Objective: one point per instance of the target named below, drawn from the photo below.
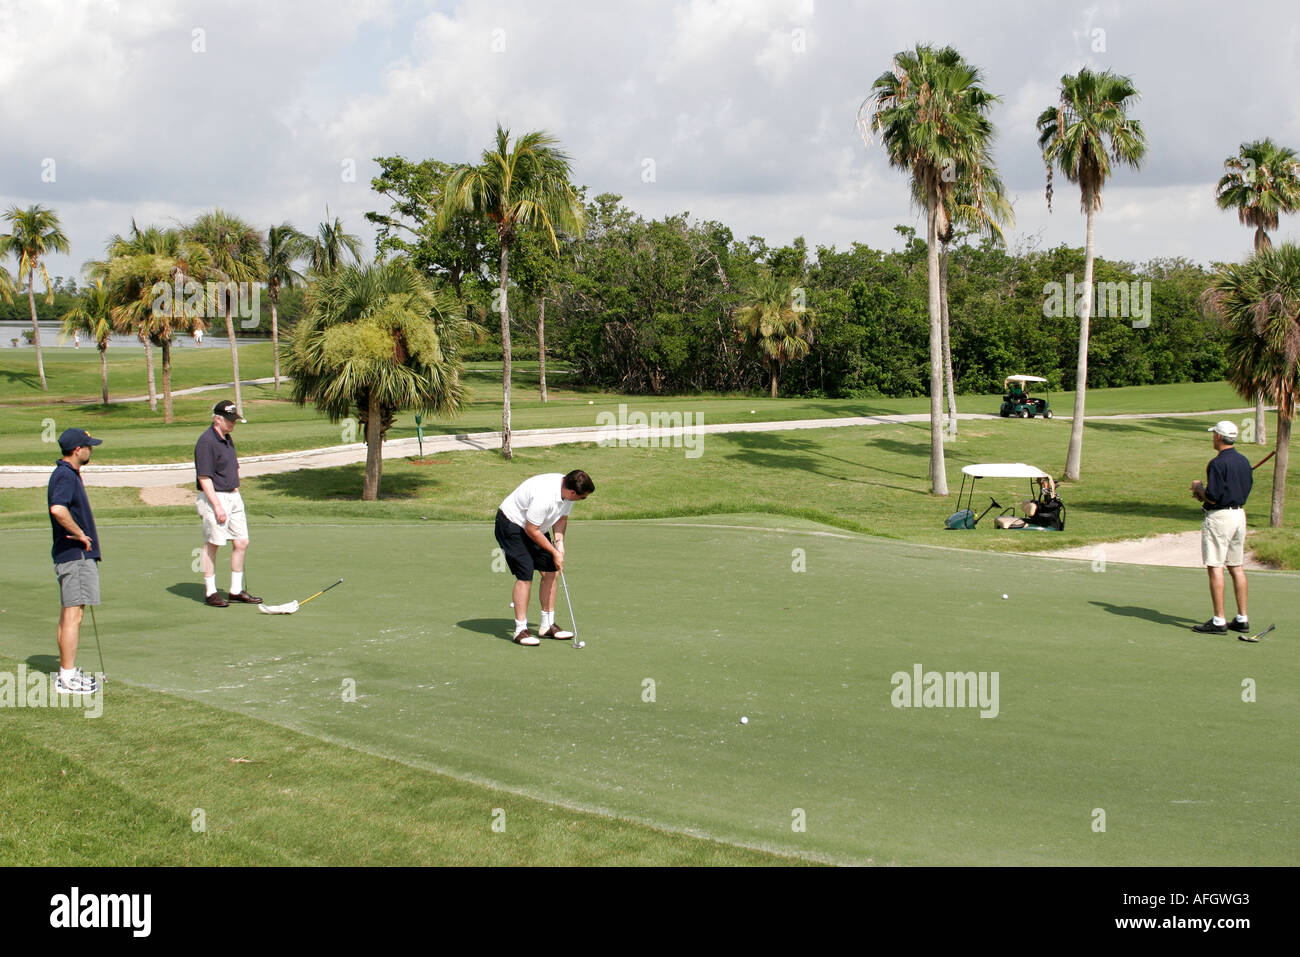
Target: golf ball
(1004, 596)
(744, 720)
(591, 402)
(582, 644)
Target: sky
(740, 111)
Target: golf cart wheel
(1047, 414)
(1024, 413)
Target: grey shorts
(78, 582)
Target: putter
(293, 606)
(98, 646)
(570, 604)
(1256, 637)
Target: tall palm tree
(156, 292)
(773, 325)
(1261, 182)
(931, 113)
(150, 240)
(331, 246)
(1083, 136)
(236, 254)
(378, 339)
(34, 233)
(515, 187)
(284, 246)
(1258, 302)
(985, 210)
(93, 315)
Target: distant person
(198, 336)
(524, 526)
(220, 506)
(76, 555)
(1228, 480)
(76, 341)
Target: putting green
(1106, 700)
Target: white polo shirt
(538, 501)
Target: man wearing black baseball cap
(216, 470)
(75, 553)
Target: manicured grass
(1106, 700)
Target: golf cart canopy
(1022, 379)
(1003, 470)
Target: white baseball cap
(1226, 429)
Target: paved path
(202, 388)
(683, 440)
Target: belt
(1220, 508)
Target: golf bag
(963, 519)
(1050, 513)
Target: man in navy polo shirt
(220, 506)
(1228, 480)
(75, 553)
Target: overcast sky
(743, 110)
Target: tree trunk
(103, 371)
(167, 380)
(374, 449)
(1074, 458)
(938, 470)
(148, 361)
(275, 339)
(36, 329)
(947, 346)
(505, 356)
(541, 345)
(234, 359)
(775, 374)
(1260, 428)
(1279, 470)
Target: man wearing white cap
(1223, 495)
(220, 506)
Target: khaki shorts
(78, 582)
(1223, 537)
(236, 526)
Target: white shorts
(1223, 537)
(236, 526)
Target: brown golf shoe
(526, 638)
(556, 632)
(215, 600)
(246, 598)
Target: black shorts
(523, 555)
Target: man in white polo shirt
(524, 525)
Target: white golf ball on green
(744, 720)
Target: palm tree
(329, 246)
(34, 233)
(156, 293)
(7, 287)
(1258, 303)
(235, 254)
(1087, 131)
(93, 315)
(987, 211)
(1261, 182)
(775, 326)
(515, 187)
(150, 240)
(932, 116)
(284, 246)
(378, 339)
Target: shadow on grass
(1189, 516)
(48, 663)
(1147, 614)
(191, 590)
(774, 451)
(345, 483)
(492, 627)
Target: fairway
(1106, 699)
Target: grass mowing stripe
(122, 789)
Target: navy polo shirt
(214, 458)
(1228, 479)
(67, 489)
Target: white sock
(520, 625)
(548, 619)
(1242, 619)
(1219, 621)
(210, 584)
(66, 673)
(236, 582)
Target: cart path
(178, 473)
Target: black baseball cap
(72, 439)
(228, 411)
